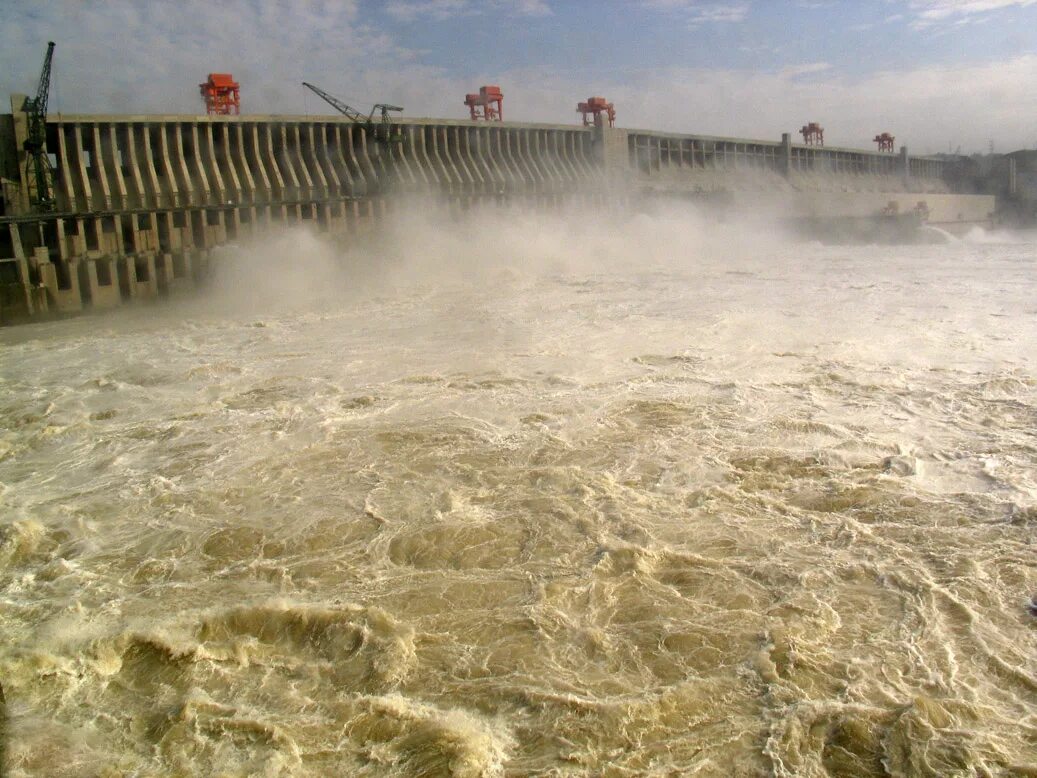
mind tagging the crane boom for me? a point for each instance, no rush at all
(338, 105)
(38, 170)
(384, 131)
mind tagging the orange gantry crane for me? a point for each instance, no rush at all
(885, 141)
(221, 94)
(486, 105)
(594, 108)
(813, 134)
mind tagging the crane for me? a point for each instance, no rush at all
(38, 171)
(384, 131)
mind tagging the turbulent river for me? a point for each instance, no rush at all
(548, 495)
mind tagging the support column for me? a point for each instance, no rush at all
(21, 133)
(16, 299)
(610, 148)
(905, 164)
(786, 153)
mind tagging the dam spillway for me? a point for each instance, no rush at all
(141, 200)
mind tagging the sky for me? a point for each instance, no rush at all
(941, 75)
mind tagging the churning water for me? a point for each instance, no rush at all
(521, 495)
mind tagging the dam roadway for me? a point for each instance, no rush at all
(141, 200)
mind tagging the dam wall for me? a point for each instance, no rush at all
(141, 201)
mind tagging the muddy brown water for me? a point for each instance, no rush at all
(682, 507)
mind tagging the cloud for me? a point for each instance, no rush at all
(163, 51)
(698, 12)
(805, 69)
(411, 10)
(926, 108)
(123, 55)
(930, 12)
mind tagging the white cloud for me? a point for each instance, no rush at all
(925, 108)
(410, 10)
(698, 12)
(806, 69)
(122, 55)
(929, 12)
(162, 52)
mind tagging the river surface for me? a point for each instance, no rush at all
(533, 496)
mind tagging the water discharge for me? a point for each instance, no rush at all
(527, 494)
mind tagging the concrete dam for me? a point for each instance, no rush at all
(141, 200)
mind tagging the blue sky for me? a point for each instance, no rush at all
(939, 74)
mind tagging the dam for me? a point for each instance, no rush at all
(142, 200)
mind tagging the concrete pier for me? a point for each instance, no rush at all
(142, 200)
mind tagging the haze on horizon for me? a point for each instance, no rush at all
(939, 74)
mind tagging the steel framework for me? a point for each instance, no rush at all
(384, 131)
(813, 134)
(39, 174)
(885, 141)
(222, 95)
(595, 107)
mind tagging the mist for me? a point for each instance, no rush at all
(426, 243)
(446, 494)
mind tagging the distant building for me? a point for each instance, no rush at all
(1022, 185)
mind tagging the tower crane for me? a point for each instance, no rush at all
(383, 131)
(39, 174)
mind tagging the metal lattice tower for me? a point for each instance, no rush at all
(384, 132)
(39, 174)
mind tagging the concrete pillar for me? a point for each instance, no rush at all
(200, 146)
(432, 141)
(322, 152)
(511, 140)
(229, 181)
(171, 191)
(786, 153)
(127, 272)
(519, 175)
(217, 186)
(261, 190)
(16, 299)
(159, 197)
(468, 180)
(270, 163)
(540, 179)
(100, 168)
(187, 187)
(401, 153)
(484, 149)
(1013, 183)
(64, 172)
(373, 181)
(21, 132)
(146, 275)
(134, 183)
(610, 150)
(565, 150)
(286, 159)
(183, 270)
(342, 157)
(313, 159)
(92, 272)
(365, 185)
(905, 163)
(164, 274)
(79, 153)
(62, 299)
